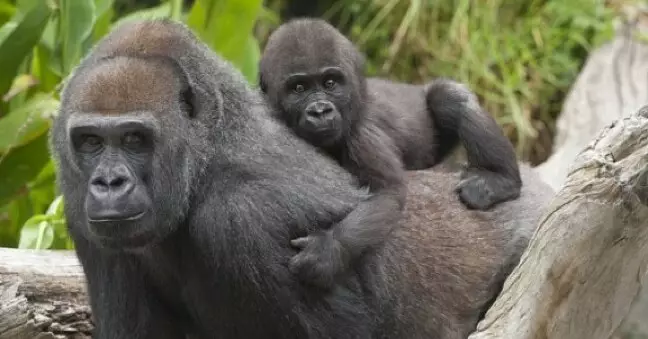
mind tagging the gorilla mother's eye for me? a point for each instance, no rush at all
(298, 88)
(133, 140)
(329, 83)
(89, 143)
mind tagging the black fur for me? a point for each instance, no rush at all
(313, 76)
(229, 188)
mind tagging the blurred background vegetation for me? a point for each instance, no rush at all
(519, 56)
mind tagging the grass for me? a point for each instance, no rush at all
(519, 56)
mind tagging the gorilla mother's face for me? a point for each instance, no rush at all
(314, 104)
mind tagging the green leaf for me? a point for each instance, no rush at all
(18, 211)
(250, 62)
(6, 11)
(19, 43)
(42, 61)
(161, 11)
(21, 165)
(104, 19)
(77, 20)
(6, 29)
(37, 233)
(225, 25)
(27, 123)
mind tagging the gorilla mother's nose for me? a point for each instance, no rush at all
(115, 181)
(319, 108)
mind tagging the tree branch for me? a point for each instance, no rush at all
(42, 295)
(587, 260)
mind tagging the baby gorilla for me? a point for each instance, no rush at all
(313, 76)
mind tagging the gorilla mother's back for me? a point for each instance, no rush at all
(227, 188)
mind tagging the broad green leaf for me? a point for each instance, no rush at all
(23, 6)
(42, 190)
(46, 230)
(26, 123)
(103, 24)
(20, 84)
(56, 208)
(161, 11)
(6, 12)
(175, 12)
(77, 20)
(37, 233)
(250, 63)
(18, 44)
(21, 165)
(46, 177)
(102, 6)
(50, 46)
(18, 211)
(6, 29)
(42, 69)
(7, 230)
(225, 26)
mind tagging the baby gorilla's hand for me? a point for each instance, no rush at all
(320, 260)
(481, 190)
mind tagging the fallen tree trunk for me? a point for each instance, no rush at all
(42, 295)
(577, 280)
(587, 260)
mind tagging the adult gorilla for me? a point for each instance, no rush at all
(183, 194)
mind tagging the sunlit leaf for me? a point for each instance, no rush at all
(225, 25)
(18, 44)
(250, 62)
(42, 69)
(26, 123)
(20, 84)
(21, 165)
(77, 20)
(161, 11)
(105, 15)
(37, 233)
(6, 29)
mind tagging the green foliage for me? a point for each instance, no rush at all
(519, 56)
(41, 41)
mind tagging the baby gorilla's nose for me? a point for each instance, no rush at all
(320, 108)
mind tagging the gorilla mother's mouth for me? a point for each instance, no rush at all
(132, 217)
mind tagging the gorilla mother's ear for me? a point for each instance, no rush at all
(193, 96)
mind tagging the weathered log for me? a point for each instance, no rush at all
(587, 260)
(42, 295)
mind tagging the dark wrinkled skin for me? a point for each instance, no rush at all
(183, 194)
(313, 77)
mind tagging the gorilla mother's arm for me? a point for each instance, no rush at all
(374, 160)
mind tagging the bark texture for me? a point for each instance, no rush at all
(586, 263)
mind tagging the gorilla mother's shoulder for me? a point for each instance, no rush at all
(182, 196)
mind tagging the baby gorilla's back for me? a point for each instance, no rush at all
(400, 110)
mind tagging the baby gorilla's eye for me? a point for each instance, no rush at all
(330, 83)
(90, 143)
(132, 139)
(298, 88)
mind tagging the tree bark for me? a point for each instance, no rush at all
(42, 295)
(586, 263)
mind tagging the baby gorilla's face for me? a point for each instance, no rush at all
(314, 104)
